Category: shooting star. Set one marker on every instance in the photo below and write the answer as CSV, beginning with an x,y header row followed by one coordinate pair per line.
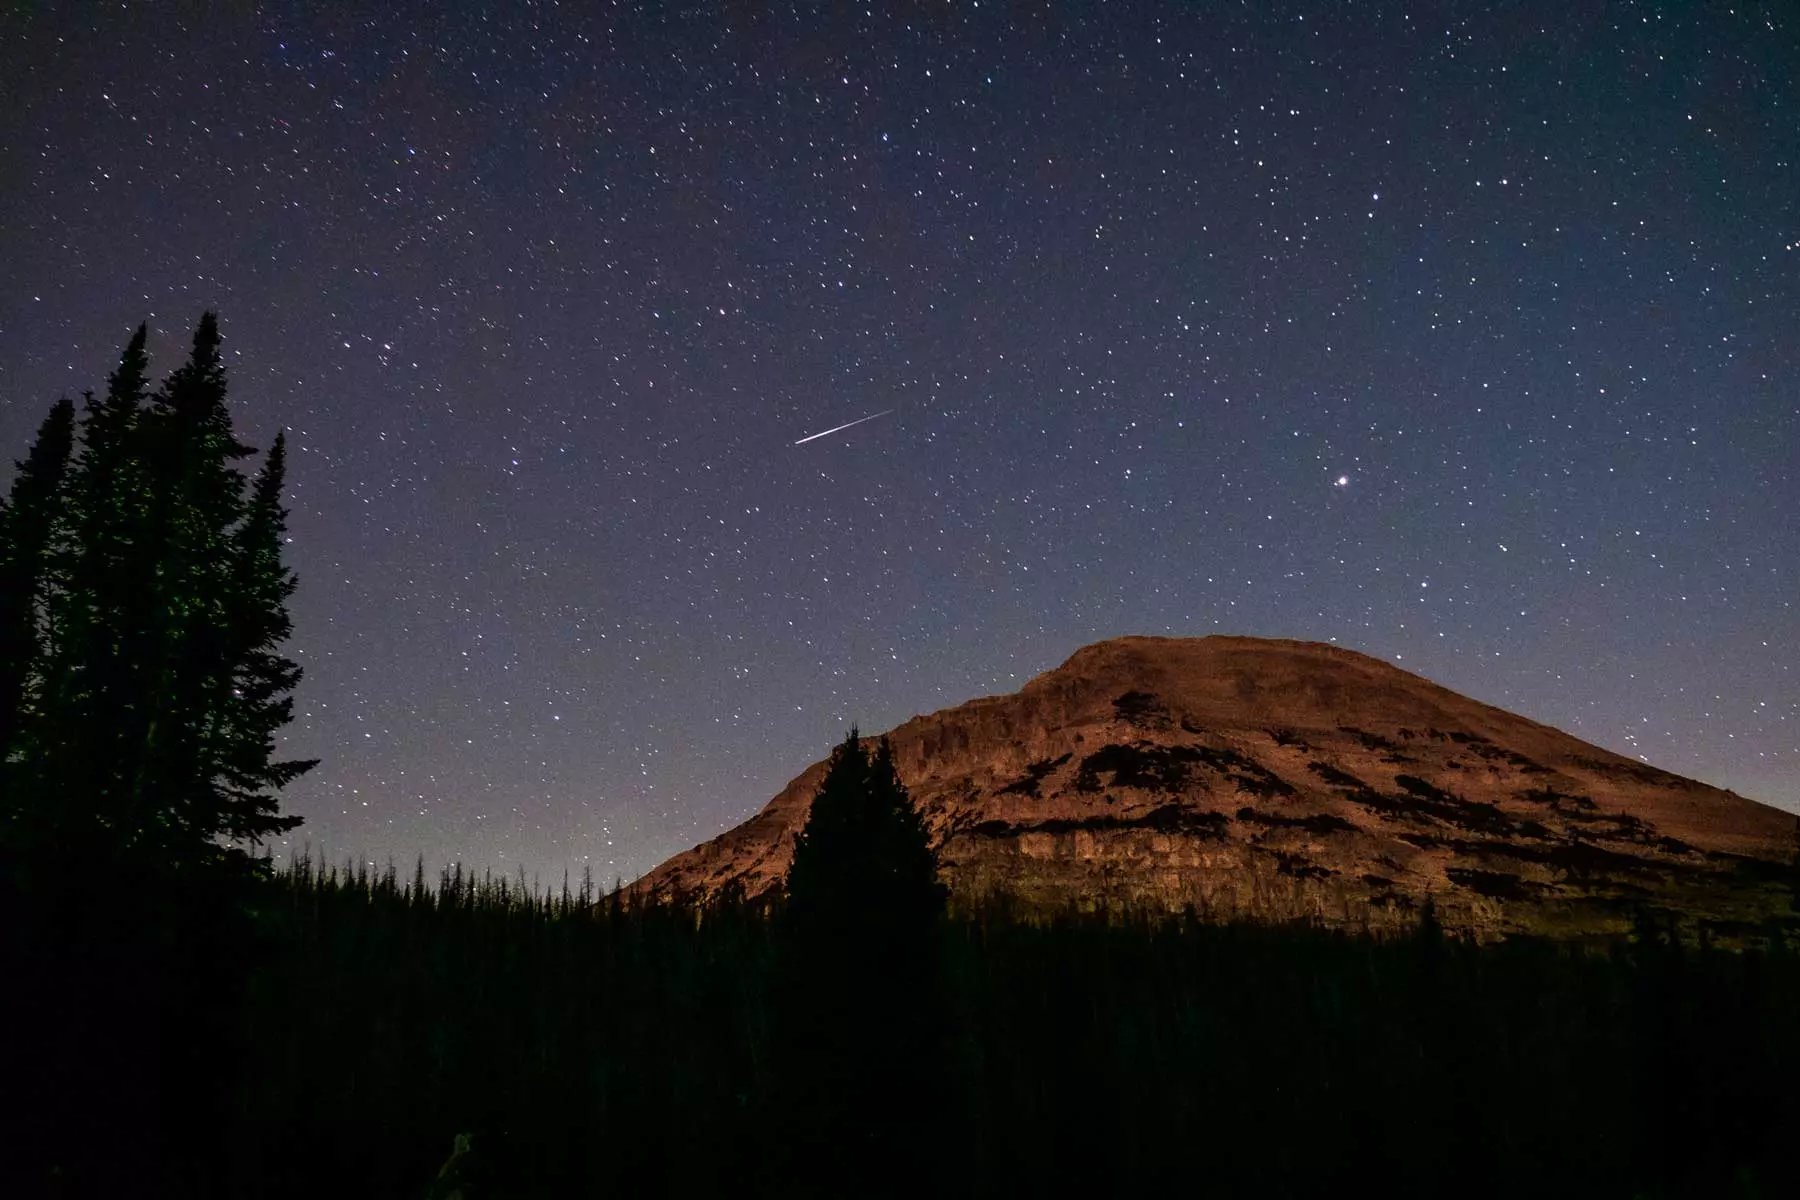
x,y
840,428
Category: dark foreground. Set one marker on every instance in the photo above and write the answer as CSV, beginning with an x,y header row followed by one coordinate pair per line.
x,y
333,1035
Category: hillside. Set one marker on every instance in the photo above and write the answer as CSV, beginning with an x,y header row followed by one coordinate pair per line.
x,y
1276,779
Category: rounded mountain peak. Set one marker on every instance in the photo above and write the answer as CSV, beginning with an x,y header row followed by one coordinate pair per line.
x,y
1273,779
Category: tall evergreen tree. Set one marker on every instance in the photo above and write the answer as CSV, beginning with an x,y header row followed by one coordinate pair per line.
x,y
184,651
860,1020
165,688
256,701
111,497
146,755
103,573
29,519
863,863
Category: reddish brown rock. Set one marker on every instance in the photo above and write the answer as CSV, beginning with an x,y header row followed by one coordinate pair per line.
x,y
1279,779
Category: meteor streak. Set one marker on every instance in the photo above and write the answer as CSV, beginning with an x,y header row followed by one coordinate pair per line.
x,y
840,428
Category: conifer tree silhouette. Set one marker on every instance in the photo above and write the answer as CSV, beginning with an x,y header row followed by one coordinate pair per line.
x,y
161,684
29,519
143,689
98,602
186,667
863,864
859,1008
256,701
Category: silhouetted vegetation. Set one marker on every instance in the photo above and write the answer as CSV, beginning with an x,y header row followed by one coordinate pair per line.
x,y
142,609
141,684
29,518
588,1048
578,1046
859,1044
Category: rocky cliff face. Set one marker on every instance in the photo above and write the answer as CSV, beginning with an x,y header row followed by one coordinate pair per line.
x,y
1278,779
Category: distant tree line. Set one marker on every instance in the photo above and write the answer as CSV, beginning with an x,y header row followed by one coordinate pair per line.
x,y
574,1046
143,603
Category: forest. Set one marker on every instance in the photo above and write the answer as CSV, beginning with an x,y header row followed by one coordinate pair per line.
x,y
186,1017
351,1029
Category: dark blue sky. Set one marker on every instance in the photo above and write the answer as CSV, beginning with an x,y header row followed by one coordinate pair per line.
x,y
1465,338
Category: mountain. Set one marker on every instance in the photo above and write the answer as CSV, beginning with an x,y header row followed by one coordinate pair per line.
x,y
1280,779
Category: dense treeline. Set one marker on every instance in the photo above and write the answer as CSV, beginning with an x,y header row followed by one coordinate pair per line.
x,y
590,1049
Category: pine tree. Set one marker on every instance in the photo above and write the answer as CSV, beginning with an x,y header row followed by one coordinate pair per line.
x,y
110,492
148,612
863,864
860,1021
185,648
103,571
29,519
256,701
164,686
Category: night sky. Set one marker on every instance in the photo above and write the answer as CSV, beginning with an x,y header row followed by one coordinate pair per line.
x,y
1469,339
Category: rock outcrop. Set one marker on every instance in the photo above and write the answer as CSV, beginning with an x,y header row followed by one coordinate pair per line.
x,y
1278,780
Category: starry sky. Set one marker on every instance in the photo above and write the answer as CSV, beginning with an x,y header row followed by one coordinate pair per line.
x,y
1464,336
